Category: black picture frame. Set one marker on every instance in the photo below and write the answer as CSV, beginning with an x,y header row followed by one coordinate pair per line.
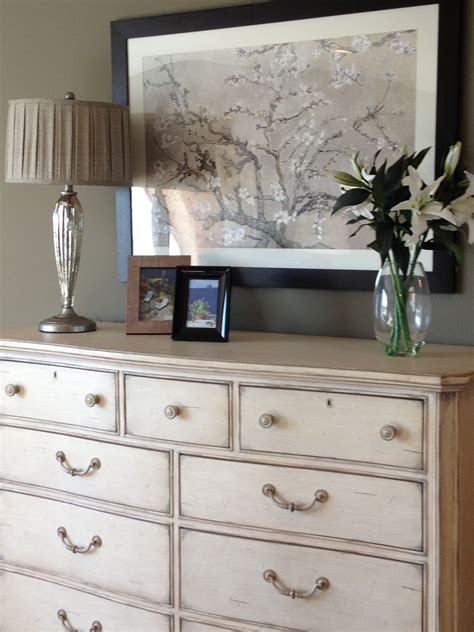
x,y
442,277
202,275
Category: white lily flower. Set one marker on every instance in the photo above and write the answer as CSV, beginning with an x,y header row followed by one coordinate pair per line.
x,y
367,176
422,205
421,199
364,209
462,208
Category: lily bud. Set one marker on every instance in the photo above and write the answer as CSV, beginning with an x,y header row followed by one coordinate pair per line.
x,y
452,159
356,165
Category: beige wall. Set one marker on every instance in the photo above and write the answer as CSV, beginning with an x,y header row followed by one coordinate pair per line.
x,y
50,47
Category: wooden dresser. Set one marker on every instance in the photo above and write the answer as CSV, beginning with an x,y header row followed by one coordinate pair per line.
x,y
273,483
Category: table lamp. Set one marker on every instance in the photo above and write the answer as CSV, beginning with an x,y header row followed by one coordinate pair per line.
x,y
68,142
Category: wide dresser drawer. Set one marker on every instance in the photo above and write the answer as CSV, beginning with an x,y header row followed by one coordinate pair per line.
x,y
119,554
365,508
130,476
39,606
353,427
76,397
181,411
255,581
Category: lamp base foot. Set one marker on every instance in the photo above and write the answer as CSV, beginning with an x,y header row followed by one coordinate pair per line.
x,y
67,322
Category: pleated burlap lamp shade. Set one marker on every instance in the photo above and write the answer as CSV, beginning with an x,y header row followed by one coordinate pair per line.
x,y
67,142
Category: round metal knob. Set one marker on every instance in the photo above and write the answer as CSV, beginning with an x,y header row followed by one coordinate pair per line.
x,y
388,433
91,399
12,389
171,412
266,420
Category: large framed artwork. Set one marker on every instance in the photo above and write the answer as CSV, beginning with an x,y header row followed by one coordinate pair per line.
x,y
236,112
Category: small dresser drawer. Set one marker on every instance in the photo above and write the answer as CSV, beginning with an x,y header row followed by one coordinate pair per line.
x,y
33,604
130,476
244,579
366,428
330,504
178,410
124,555
76,397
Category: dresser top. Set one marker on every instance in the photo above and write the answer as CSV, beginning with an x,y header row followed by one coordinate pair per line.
x,y
436,366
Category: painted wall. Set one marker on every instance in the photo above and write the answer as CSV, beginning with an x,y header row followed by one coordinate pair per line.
x,y
48,47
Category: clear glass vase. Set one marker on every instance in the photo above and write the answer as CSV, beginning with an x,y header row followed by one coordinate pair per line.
x,y
402,308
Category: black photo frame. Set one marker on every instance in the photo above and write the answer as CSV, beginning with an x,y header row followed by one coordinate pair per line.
x,y
208,302
447,106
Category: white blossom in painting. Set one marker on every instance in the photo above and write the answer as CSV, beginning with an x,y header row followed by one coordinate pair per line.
x,y
237,139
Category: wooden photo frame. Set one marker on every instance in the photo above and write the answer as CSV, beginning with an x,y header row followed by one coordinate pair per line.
x,y
151,292
202,304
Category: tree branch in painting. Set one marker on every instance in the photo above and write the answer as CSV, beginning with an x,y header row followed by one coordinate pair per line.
x,y
237,139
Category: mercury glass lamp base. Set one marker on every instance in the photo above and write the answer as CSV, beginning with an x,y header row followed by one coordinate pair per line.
x,y
67,322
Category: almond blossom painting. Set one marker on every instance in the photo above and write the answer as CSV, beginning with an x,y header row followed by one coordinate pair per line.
x,y
236,140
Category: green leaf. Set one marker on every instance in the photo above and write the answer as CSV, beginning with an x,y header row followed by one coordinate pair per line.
x,y
350,198
395,172
344,178
402,256
357,230
378,190
450,246
417,159
384,238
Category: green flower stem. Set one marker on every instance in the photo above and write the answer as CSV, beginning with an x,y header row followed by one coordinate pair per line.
x,y
400,331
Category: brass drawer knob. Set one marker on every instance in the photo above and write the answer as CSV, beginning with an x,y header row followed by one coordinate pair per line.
x,y
322,583
388,433
171,412
94,544
94,465
62,616
320,496
91,399
266,420
12,389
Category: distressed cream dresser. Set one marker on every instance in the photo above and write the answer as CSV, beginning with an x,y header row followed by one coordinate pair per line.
x,y
273,483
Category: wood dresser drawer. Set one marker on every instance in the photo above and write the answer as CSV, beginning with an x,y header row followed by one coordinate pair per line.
x,y
365,508
364,594
332,425
178,410
76,397
130,476
33,604
133,559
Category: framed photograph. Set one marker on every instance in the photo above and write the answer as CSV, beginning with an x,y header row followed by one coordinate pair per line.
x,y
202,304
151,293
230,169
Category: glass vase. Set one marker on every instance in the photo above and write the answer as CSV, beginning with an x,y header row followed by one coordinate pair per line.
x,y
402,308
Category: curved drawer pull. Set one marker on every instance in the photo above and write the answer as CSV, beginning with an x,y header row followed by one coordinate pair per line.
x,y
94,465
320,496
322,583
94,544
171,412
62,616
12,389
91,400
388,433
